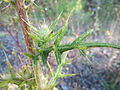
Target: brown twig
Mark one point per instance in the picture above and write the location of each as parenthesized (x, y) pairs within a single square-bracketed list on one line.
[(22, 15)]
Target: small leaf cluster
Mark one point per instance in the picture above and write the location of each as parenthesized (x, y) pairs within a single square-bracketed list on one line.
[(46, 40)]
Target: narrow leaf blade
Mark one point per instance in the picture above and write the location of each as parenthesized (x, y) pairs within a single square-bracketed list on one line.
[(82, 37)]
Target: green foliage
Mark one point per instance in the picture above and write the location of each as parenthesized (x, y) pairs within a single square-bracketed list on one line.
[(44, 49), (36, 79), (46, 41), (110, 85)]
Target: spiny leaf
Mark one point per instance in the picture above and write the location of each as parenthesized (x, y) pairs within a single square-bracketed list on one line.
[(36, 38), (82, 37), (61, 33), (53, 25), (57, 55), (82, 52), (44, 56)]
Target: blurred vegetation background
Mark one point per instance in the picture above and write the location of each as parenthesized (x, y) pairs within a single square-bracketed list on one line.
[(103, 16), (103, 12), (98, 14)]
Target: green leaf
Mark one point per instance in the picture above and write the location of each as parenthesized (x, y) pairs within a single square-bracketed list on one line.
[(60, 33), (57, 55), (55, 84), (82, 52), (90, 45), (106, 84), (83, 46), (44, 56), (22, 85), (63, 57), (51, 71), (16, 81), (68, 61), (35, 59), (4, 83), (28, 55), (53, 25), (37, 39), (82, 37)]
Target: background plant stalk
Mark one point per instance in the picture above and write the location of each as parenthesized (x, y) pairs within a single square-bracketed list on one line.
[(22, 16)]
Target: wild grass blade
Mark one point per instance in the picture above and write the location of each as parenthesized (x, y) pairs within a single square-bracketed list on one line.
[(10, 68), (37, 75), (51, 71)]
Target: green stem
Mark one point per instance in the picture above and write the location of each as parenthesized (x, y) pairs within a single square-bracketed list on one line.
[(67, 47), (89, 45)]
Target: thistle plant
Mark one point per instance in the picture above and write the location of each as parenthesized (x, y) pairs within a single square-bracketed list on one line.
[(47, 41)]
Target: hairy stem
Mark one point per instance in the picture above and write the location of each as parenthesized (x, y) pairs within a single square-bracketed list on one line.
[(22, 16), (67, 47)]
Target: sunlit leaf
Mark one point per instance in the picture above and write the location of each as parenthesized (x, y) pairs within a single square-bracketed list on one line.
[(51, 71)]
